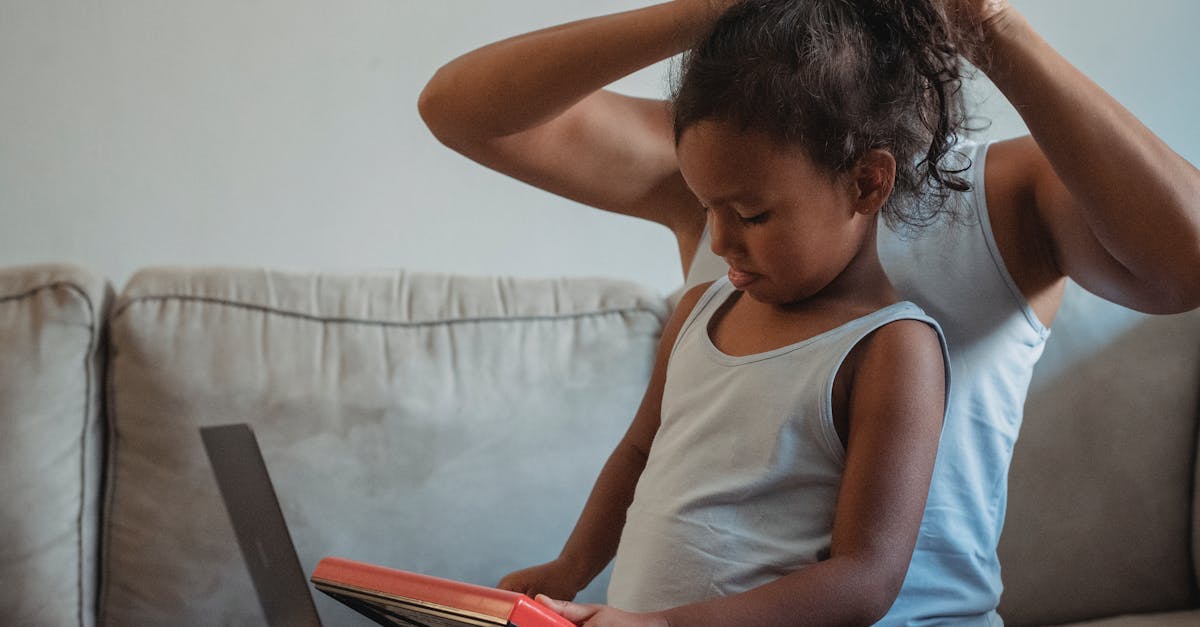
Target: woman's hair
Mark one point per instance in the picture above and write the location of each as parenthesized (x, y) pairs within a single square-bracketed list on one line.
[(839, 78)]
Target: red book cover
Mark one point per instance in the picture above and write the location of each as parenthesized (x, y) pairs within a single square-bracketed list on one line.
[(397, 597)]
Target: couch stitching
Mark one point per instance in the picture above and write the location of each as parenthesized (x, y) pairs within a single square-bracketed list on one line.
[(109, 494), (83, 449), (386, 323), (48, 286)]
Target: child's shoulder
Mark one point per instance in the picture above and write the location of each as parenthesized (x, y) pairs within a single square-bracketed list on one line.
[(907, 348), (904, 334), (683, 310), (906, 327), (690, 299)]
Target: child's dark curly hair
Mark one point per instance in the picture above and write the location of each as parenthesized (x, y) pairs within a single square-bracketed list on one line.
[(839, 78)]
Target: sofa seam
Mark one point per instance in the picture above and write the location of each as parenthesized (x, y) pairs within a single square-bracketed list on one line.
[(48, 286), (88, 372), (383, 323), (109, 494)]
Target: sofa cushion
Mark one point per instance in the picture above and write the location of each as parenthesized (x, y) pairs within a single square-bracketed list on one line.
[(1166, 619), (1099, 521), (1196, 503), (51, 327), (441, 424)]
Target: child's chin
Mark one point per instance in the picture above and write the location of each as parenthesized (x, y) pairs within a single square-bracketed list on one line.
[(775, 297)]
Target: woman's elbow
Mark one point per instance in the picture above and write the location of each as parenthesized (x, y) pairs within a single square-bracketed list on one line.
[(431, 105), (440, 107)]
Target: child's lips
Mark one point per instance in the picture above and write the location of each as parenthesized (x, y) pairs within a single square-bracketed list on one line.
[(740, 278)]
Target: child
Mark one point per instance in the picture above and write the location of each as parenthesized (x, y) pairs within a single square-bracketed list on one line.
[(783, 451)]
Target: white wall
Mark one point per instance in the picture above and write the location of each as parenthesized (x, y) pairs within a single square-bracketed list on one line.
[(285, 133)]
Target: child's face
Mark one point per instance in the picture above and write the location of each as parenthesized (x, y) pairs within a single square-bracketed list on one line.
[(787, 228)]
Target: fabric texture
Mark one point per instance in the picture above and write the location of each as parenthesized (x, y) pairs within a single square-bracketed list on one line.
[(425, 422), (1100, 521), (1196, 488), (954, 272), (741, 485), (1163, 619), (51, 328)]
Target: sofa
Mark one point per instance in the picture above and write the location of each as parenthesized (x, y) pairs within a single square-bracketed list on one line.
[(453, 425)]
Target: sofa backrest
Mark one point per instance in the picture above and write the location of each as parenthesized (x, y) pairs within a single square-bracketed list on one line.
[(1101, 519), (51, 331), (441, 424), (389, 404)]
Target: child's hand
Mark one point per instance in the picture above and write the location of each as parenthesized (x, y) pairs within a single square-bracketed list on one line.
[(601, 615), (552, 578)]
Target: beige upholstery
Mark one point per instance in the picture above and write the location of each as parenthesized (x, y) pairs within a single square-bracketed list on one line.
[(453, 425), (1168, 619), (51, 323), (445, 424), (1100, 519)]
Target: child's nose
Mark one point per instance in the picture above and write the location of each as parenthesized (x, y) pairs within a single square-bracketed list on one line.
[(725, 240)]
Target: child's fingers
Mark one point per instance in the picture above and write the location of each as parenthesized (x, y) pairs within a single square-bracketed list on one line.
[(574, 612)]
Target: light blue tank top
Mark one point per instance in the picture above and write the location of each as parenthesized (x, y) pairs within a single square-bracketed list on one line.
[(955, 273), (741, 485)]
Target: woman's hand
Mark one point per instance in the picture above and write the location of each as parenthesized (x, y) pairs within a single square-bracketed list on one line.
[(978, 14), (601, 615), (979, 21), (553, 579), (720, 6), (711, 9)]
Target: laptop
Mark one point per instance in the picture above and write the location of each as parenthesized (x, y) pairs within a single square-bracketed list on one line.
[(386, 596), (258, 523)]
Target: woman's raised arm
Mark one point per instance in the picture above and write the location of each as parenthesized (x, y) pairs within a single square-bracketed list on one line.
[(1110, 204), (534, 107)]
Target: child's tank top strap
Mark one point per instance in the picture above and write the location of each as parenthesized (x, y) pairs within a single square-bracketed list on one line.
[(708, 300)]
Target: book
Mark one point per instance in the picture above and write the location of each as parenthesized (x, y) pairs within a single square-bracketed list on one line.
[(396, 597)]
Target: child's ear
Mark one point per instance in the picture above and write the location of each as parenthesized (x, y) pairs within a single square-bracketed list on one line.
[(872, 179)]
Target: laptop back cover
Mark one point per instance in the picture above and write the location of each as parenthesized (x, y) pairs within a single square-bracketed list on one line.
[(259, 525)]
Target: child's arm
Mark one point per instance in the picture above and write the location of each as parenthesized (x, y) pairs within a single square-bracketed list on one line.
[(594, 540), (896, 409)]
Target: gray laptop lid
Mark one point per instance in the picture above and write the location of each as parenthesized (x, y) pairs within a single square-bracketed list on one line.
[(259, 525)]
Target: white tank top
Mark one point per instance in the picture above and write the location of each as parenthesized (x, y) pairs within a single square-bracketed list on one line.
[(741, 484), (955, 273)]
